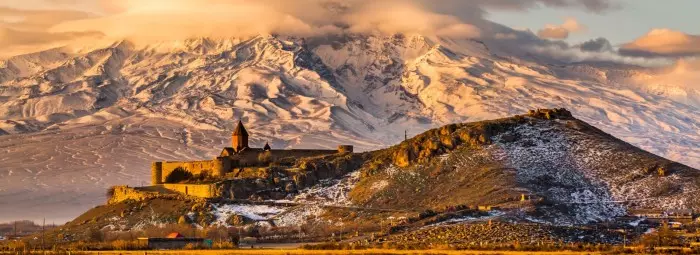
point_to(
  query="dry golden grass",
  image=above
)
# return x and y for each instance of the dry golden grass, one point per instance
(327, 252)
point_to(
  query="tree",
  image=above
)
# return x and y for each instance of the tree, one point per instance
(178, 175)
(664, 236)
(95, 235)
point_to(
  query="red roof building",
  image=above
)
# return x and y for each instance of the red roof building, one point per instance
(174, 235)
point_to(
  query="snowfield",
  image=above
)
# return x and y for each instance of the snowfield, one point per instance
(253, 212)
(74, 123)
(310, 200)
(330, 192)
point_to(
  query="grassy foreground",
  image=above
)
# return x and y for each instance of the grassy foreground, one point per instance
(325, 252)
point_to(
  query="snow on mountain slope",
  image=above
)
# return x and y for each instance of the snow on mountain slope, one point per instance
(100, 116)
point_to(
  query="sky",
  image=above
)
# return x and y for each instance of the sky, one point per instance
(631, 31)
(633, 19)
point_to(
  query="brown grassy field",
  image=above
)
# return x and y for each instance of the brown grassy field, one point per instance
(326, 252)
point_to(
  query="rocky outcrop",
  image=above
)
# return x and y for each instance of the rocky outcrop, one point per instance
(238, 220)
(550, 114)
(438, 141)
(279, 182)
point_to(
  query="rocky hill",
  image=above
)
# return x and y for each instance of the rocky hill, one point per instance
(74, 122)
(543, 170)
(574, 172)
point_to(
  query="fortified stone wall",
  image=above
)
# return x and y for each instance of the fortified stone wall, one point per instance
(279, 154)
(251, 157)
(197, 190)
(216, 167)
(122, 193)
(222, 165)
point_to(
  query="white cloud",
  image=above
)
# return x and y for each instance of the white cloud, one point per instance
(664, 42)
(562, 31)
(575, 54)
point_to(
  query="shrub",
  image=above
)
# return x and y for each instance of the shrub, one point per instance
(110, 192)
(182, 220)
(178, 175)
(192, 246)
(95, 235)
(237, 220)
(223, 245)
(265, 157)
(120, 245)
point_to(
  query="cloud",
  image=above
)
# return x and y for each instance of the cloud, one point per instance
(560, 32)
(390, 17)
(299, 17)
(176, 19)
(553, 33)
(17, 42)
(526, 45)
(596, 6)
(149, 20)
(10, 37)
(574, 54)
(23, 31)
(597, 45)
(37, 20)
(664, 42)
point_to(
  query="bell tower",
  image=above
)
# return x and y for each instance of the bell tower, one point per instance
(239, 138)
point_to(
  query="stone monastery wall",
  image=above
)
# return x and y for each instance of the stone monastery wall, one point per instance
(279, 154)
(122, 193)
(250, 158)
(216, 167)
(197, 190)
(222, 165)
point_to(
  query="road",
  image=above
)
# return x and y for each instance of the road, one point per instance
(330, 252)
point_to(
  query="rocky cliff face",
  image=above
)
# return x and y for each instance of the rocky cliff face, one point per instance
(102, 114)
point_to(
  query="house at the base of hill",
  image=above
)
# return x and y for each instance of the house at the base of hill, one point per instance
(174, 241)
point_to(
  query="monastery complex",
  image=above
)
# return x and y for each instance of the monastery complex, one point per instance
(223, 176)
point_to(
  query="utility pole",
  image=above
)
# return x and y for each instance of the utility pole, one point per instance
(405, 135)
(240, 238)
(43, 226)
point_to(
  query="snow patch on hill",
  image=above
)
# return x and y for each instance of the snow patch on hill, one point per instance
(584, 175)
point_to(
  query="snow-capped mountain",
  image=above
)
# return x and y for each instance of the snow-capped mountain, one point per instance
(74, 121)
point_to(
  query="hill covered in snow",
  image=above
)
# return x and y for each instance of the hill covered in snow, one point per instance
(75, 121)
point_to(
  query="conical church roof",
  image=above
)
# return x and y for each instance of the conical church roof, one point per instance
(240, 130)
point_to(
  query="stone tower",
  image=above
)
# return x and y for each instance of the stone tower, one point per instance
(239, 138)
